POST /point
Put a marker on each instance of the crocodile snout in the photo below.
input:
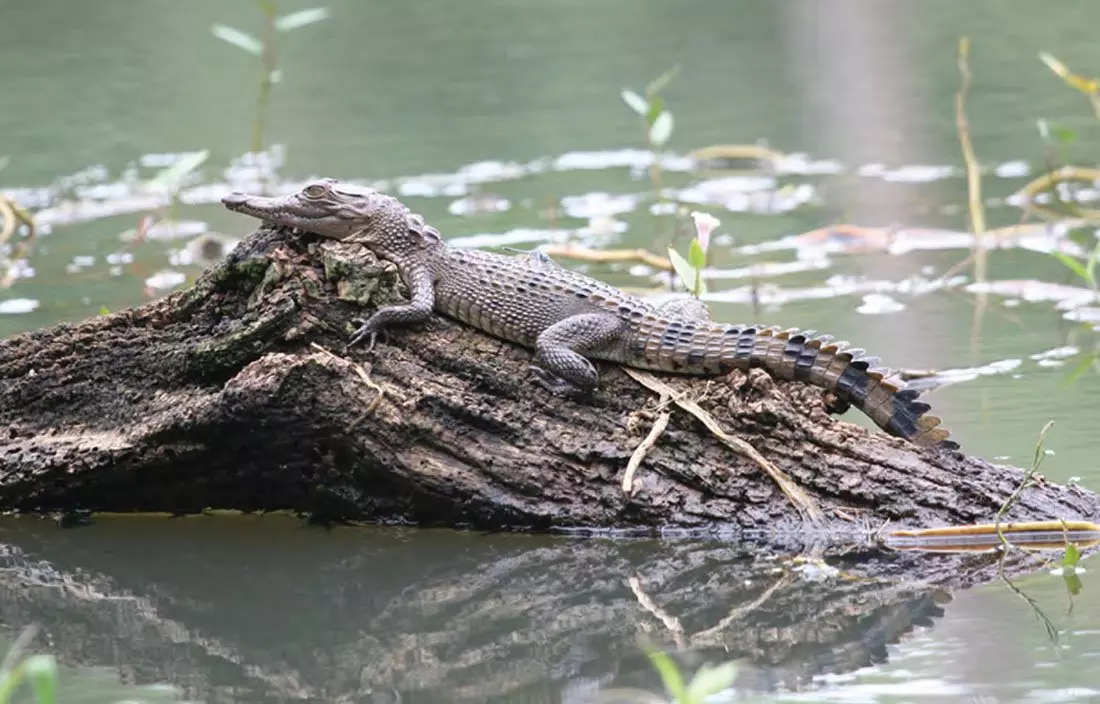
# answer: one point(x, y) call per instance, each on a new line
point(235, 200)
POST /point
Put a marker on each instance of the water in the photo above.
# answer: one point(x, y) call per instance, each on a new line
point(423, 96)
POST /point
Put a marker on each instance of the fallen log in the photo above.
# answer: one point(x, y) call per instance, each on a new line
point(237, 393)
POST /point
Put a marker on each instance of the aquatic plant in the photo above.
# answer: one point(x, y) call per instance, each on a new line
point(266, 51)
point(38, 671)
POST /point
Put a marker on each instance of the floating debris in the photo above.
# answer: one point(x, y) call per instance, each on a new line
point(17, 306)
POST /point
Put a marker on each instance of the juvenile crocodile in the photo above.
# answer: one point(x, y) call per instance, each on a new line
point(569, 318)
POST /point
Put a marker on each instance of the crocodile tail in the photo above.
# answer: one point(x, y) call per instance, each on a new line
point(802, 355)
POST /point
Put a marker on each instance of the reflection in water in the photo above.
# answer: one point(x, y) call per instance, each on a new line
point(267, 607)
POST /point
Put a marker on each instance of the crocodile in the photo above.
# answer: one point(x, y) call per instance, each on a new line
point(570, 319)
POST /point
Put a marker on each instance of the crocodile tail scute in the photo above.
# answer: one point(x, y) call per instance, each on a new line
point(816, 359)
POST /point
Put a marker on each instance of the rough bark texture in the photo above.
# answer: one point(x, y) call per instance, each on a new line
point(214, 397)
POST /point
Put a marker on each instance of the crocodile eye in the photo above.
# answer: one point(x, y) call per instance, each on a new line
point(315, 191)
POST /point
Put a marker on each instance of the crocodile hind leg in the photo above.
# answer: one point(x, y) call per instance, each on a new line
point(561, 365)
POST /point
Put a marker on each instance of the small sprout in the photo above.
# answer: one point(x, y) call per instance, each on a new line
point(238, 38)
point(635, 102)
point(669, 672)
point(686, 272)
point(661, 129)
point(710, 680)
point(659, 83)
point(103, 310)
point(41, 670)
point(294, 20)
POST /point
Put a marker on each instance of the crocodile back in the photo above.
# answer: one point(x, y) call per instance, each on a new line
point(515, 298)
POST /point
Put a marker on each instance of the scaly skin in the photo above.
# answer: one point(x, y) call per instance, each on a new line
point(569, 318)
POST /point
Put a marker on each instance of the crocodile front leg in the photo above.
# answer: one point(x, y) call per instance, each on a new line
point(562, 367)
point(421, 286)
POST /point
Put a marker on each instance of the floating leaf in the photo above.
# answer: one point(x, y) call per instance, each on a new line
point(636, 102)
point(658, 84)
point(237, 38)
point(294, 20)
point(656, 107)
point(710, 680)
point(41, 670)
point(171, 177)
point(661, 129)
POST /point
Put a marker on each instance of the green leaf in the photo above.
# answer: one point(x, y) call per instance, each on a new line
point(294, 20)
point(1073, 265)
point(1072, 556)
point(41, 670)
point(1090, 269)
point(237, 38)
point(661, 129)
point(9, 682)
point(636, 102)
point(1073, 582)
point(656, 107)
point(103, 310)
point(172, 176)
point(711, 680)
point(1064, 135)
point(659, 83)
point(687, 273)
point(669, 672)
point(697, 257)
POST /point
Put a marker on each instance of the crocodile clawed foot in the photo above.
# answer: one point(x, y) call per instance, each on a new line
point(555, 384)
point(365, 331)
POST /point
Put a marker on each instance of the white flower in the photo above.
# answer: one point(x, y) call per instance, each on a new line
point(704, 225)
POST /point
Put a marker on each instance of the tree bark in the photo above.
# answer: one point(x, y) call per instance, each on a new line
point(237, 394)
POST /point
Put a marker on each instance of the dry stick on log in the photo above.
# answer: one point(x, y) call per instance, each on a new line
point(801, 500)
point(650, 440)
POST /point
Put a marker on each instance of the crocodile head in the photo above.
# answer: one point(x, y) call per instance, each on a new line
point(327, 207)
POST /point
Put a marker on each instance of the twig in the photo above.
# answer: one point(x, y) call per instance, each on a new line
point(571, 251)
point(739, 611)
point(1026, 483)
point(806, 506)
point(655, 432)
point(670, 621)
point(973, 169)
